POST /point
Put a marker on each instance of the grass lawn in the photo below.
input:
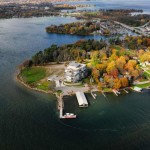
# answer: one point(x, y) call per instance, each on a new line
point(86, 80)
point(117, 47)
point(107, 89)
point(146, 74)
point(148, 71)
point(143, 85)
point(44, 85)
point(33, 74)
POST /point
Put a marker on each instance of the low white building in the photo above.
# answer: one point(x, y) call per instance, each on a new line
point(75, 72)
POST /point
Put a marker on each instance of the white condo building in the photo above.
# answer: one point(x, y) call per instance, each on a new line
point(75, 72)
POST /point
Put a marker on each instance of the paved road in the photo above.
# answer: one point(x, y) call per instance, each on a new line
point(130, 28)
point(144, 82)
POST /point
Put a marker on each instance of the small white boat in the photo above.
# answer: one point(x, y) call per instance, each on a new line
point(69, 116)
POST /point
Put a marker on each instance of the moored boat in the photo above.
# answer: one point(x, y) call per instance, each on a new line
point(69, 116)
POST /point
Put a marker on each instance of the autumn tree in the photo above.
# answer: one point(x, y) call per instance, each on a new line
point(131, 64)
point(109, 80)
point(112, 69)
point(120, 63)
point(95, 74)
point(145, 56)
point(117, 83)
point(101, 67)
point(94, 58)
point(124, 82)
point(140, 52)
point(99, 86)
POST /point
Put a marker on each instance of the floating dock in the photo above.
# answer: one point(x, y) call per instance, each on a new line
point(93, 95)
point(137, 89)
point(81, 99)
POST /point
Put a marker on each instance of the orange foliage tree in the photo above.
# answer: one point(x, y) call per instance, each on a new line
point(117, 83)
point(124, 82)
point(112, 69)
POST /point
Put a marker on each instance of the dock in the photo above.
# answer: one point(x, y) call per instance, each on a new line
point(61, 113)
point(61, 108)
point(60, 105)
point(126, 91)
point(103, 94)
point(93, 95)
point(116, 92)
point(81, 99)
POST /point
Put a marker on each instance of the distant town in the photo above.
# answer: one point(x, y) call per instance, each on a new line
point(33, 1)
point(25, 10)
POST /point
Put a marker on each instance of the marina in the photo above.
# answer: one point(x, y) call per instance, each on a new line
point(82, 101)
point(61, 108)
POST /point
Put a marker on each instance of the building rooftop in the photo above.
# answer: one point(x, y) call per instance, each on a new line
point(74, 66)
point(81, 99)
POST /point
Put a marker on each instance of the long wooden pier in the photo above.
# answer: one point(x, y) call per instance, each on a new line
point(60, 105)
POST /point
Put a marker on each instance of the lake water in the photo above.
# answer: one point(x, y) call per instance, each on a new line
point(116, 4)
point(29, 120)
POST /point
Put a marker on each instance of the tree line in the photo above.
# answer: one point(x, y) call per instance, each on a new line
point(81, 49)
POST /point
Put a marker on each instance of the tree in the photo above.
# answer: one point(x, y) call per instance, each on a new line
point(141, 52)
point(145, 57)
point(135, 73)
point(117, 84)
point(139, 41)
point(99, 86)
point(95, 74)
point(109, 80)
point(112, 69)
point(94, 58)
point(120, 63)
point(101, 67)
point(124, 82)
point(131, 65)
point(27, 63)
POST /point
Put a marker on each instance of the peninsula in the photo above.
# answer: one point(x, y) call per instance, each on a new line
point(108, 67)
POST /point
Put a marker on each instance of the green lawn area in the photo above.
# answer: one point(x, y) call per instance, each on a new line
point(146, 74)
point(117, 47)
point(107, 89)
point(86, 80)
point(143, 85)
point(33, 74)
point(44, 85)
point(148, 71)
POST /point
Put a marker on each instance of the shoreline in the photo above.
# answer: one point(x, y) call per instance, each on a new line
point(68, 90)
point(19, 80)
